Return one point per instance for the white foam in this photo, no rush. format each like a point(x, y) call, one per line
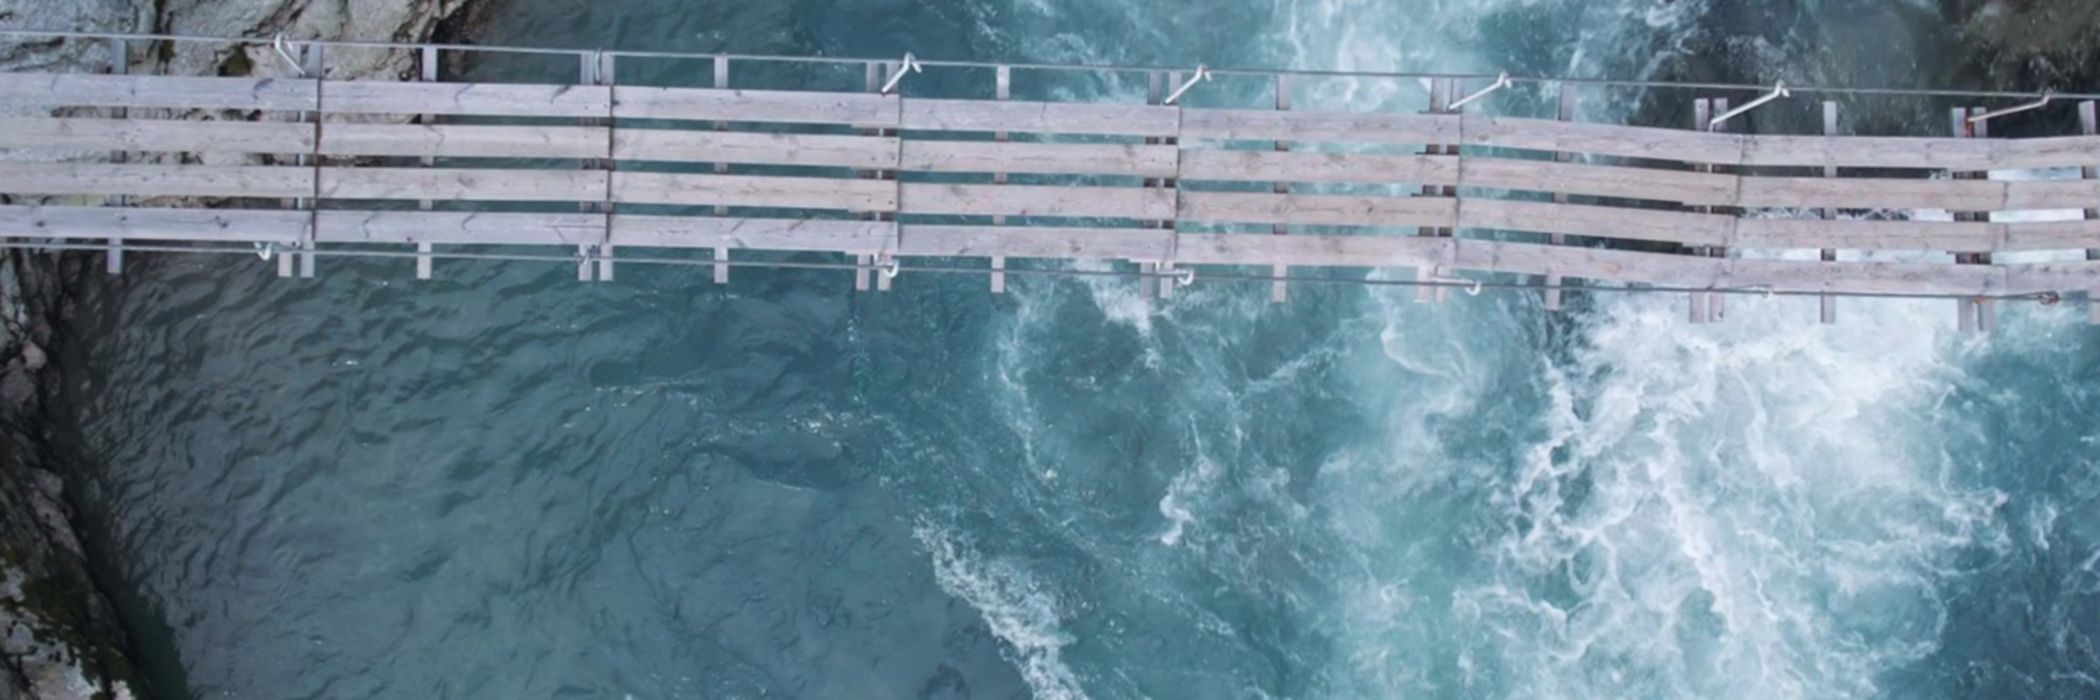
point(1019, 611)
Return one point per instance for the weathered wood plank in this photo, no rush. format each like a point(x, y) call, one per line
point(1037, 242)
point(754, 191)
point(144, 180)
point(155, 135)
point(1317, 209)
point(1038, 200)
point(821, 150)
point(1803, 234)
point(2051, 194)
point(727, 233)
point(1871, 193)
point(1136, 160)
point(2050, 152)
point(163, 91)
point(451, 227)
point(489, 99)
point(1351, 127)
point(1599, 180)
point(1602, 139)
point(1311, 166)
point(140, 223)
point(463, 141)
point(1319, 250)
point(1603, 222)
point(777, 106)
point(1869, 152)
point(1101, 119)
point(465, 184)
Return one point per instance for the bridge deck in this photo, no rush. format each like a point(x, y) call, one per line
point(604, 167)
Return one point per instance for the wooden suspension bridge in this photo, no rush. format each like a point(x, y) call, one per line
point(301, 164)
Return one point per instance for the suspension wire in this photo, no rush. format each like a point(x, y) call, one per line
point(1131, 68)
point(2046, 298)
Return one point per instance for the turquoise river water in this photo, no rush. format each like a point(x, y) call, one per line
point(505, 484)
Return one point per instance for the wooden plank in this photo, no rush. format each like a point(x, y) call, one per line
point(1599, 181)
point(1307, 166)
point(2050, 152)
point(1301, 126)
point(1869, 152)
point(156, 135)
point(1316, 209)
point(1832, 235)
point(140, 180)
point(1603, 139)
point(475, 184)
point(1040, 117)
point(1620, 223)
point(819, 150)
point(1872, 193)
point(1038, 200)
point(1279, 290)
point(488, 99)
point(2050, 194)
point(457, 227)
point(463, 141)
point(161, 91)
point(1313, 250)
point(727, 233)
point(1129, 159)
point(1064, 243)
point(775, 106)
point(1965, 310)
point(631, 187)
point(1439, 102)
point(1702, 113)
point(152, 224)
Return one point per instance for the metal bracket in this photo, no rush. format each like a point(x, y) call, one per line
point(2046, 96)
point(265, 250)
point(1472, 286)
point(1501, 81)
point(1778, 90)
point(1184, 276)
point(889, 267)
point(910, 65)
point(283, 48)
point(1202, 75)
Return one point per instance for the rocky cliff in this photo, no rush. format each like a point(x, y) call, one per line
point(59, 635)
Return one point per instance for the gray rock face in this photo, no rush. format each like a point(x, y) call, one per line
point(59, 635)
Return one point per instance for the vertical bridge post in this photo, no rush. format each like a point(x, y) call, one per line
point(1717, 304)
point(1971, 315)
point(1702, 111)
point(1565, 113)
point(1002, 90)
point(1827, 305)
point(311, 61)
point(1279, 290)
point(2089, 124)
point(862, 262)
point(890, 70)
point(1146, 290)
point(1166, 282)
point(721, 251)
point(119, 64)
point(1439, 102)
point(427, 70)
point(596, 68)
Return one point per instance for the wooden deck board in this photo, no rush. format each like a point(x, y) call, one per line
point(1017, 116)
point(1133, 160)
point(155, 135)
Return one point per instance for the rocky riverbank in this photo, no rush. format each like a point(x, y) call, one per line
point(59, 635)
